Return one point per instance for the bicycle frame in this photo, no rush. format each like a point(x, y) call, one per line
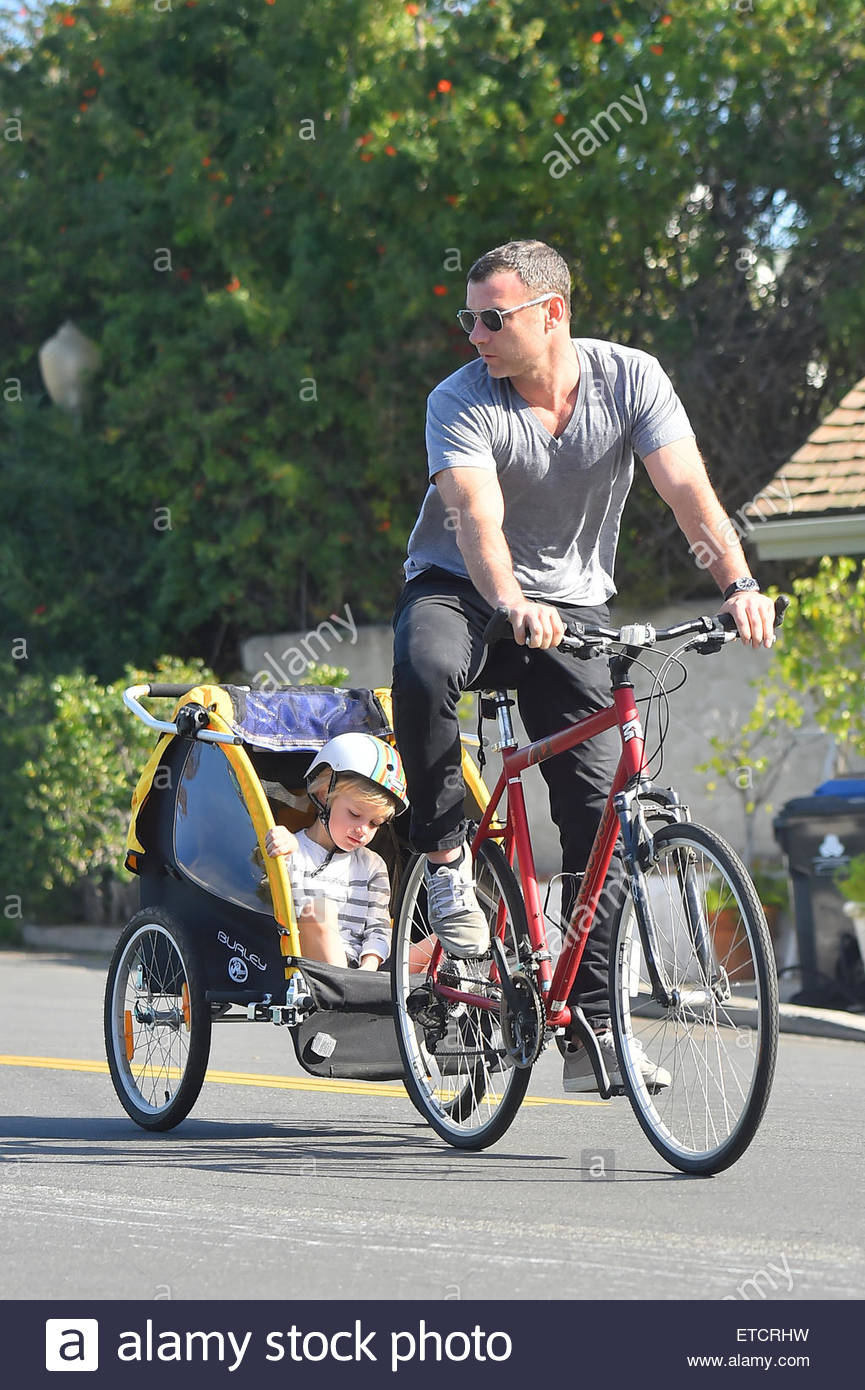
point(622, 713)
point(617, 817)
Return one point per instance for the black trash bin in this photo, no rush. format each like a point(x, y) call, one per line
point(819, 835)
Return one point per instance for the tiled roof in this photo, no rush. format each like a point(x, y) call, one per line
point(827, 474)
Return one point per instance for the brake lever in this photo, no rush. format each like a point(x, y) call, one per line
point(725, 630)
point(584, 649)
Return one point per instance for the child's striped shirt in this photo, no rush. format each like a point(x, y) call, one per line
point(357, 881)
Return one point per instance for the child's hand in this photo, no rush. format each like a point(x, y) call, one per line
point(279, 840)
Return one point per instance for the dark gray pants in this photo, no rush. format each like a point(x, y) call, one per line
point(438, 649)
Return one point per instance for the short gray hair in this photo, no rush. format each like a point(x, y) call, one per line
point(539, 267)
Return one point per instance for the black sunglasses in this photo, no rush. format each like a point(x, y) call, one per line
point(493, 318)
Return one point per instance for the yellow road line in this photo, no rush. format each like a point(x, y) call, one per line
point(276, 1083)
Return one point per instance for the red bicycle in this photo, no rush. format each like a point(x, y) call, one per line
point(701, 1004)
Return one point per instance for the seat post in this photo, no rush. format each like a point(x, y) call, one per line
point(503, 703)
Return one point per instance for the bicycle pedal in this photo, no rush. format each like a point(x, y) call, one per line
point(429, 1014)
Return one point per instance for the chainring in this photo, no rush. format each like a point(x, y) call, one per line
point(523, 1029)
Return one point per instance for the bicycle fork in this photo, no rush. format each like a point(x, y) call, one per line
point(638, 853)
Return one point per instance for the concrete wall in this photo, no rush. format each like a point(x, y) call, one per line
point(716, 699)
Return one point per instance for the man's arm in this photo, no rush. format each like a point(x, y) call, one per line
point(679, 476)
point(474, 499)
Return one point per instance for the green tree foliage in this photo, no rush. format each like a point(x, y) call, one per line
point(815, 679)
point(264, 214)
point(749, 759)
point(817, 670)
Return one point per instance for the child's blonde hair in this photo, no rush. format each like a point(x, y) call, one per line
point(352, 782)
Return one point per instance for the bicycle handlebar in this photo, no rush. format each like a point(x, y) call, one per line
point(586, 639)
point(132, 700)
point(174, 691)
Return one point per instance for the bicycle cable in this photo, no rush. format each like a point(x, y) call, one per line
point(661, 693)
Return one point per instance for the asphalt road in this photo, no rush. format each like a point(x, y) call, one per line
point(280, 1186)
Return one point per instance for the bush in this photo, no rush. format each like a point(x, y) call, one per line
point(852, 884)
point(68, 771)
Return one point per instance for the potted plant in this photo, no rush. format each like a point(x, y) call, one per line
point(774, 893)
point(851, 885)
point(730, 943)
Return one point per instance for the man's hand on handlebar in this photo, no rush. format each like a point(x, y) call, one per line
point(536, 625)
point(754, 615)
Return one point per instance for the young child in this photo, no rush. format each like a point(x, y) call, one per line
point(341, 889)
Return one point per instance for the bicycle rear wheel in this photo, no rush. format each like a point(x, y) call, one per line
point(457, 1071)
point(718, 1039)
point(157, 1021)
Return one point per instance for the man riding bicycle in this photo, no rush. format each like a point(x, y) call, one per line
point(530, 463)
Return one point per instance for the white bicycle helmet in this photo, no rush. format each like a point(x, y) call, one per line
point(366, 756)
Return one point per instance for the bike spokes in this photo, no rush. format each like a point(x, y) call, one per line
point(714, 1039)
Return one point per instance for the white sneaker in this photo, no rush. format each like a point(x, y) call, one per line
point(454, 912)
point(579, 1076)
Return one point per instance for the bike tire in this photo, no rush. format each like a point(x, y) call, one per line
point(157, 1022)
point(718, 1043)
point(466, 1090)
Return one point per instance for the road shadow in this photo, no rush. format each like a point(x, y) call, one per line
point(403, 1151)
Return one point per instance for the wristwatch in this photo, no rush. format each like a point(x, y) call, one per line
point(741, 586)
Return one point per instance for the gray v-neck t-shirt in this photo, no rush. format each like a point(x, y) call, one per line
point(563, 497)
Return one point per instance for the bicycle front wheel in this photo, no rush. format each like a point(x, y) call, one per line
point(457, 1071)
point(157, 1021)
point(711, 1051)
